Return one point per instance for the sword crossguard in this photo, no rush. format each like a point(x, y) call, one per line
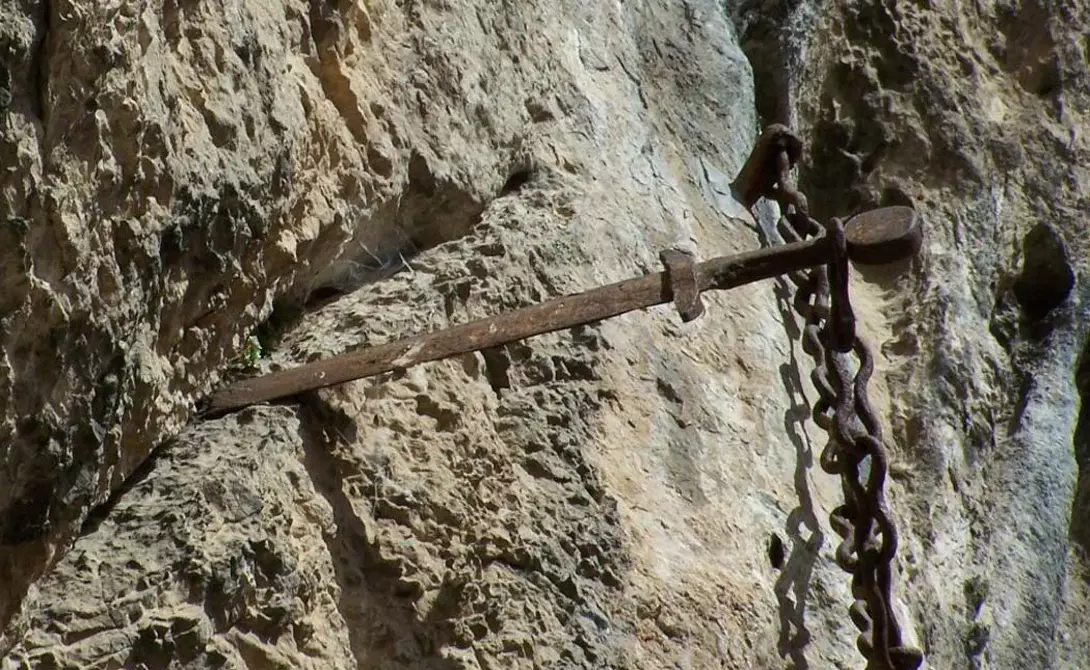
point(684, 287)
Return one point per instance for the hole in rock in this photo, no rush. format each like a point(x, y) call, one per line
point(776, 553)
point(1047, 277)
point(516, 181)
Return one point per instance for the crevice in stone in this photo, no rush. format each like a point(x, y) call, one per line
point(517, 180)
point(101, 512)
point(30, 510)
point(5, 88)
point(765, 38)
point(39, 66)
point(429, 211)
point(434, 209)
point(1029, 50)
point(1080, 505)
point(29, 516)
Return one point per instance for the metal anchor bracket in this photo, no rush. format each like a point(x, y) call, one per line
point(682, 283)
point(759, 175)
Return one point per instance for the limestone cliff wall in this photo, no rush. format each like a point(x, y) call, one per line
point(183, 180)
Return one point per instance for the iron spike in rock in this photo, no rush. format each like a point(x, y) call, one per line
point(879, 236)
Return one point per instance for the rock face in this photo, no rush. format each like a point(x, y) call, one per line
point(184, 182)
point(975, 115)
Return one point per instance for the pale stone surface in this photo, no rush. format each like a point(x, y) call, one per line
point(601, 497)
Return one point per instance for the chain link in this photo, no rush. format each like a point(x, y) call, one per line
point(843, 365)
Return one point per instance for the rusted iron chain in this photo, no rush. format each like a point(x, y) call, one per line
point(854, 450)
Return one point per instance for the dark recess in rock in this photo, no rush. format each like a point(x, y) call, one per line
point(5, 88)
point(1080, 523)
point(497, 368)
point(775, 551)
point(516, 181)
point(1004, 322)
point(1047, 277)
point(764, 31)
point(434, 209)
point(29, 516)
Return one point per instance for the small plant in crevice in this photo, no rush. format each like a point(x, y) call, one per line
point(247, 360)
point(252, 352)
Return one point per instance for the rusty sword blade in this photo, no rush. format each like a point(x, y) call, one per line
point(721, 273)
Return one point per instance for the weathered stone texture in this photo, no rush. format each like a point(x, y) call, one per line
point(601, 497)
point(975, 113)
